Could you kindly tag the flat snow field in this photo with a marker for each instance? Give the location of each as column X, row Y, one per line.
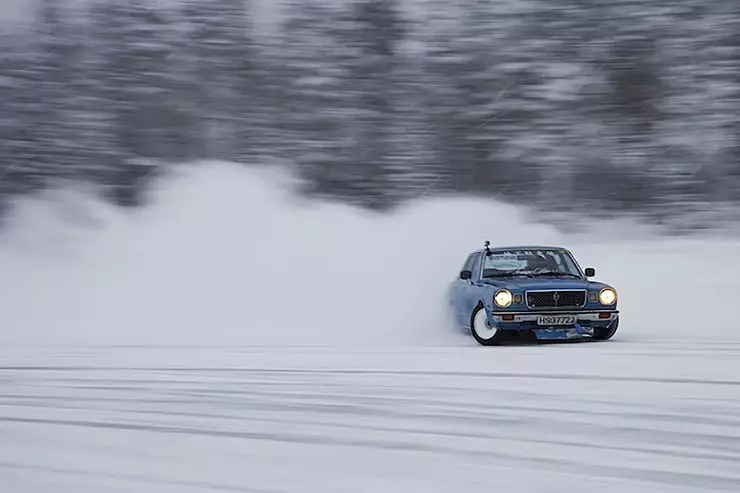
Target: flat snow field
column 231, row 338
column 632, row 415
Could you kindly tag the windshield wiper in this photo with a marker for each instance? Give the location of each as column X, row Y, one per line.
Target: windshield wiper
column 567, row 274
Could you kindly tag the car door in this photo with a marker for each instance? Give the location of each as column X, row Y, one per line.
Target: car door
column 470, row 292
column 458, row 291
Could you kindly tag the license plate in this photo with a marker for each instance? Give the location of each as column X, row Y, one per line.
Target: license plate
column 551, row 320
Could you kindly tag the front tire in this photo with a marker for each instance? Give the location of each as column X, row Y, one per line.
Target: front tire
column 606, row 333
column 483, row 332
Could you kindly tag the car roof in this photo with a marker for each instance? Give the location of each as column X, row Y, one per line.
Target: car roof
column 523, row 247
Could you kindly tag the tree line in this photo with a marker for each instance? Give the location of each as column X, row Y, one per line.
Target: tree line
column 570, row 105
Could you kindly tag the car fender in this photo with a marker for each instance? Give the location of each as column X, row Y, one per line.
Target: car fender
column 484, row 296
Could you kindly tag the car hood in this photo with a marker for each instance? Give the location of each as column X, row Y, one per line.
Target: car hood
column 525, row 283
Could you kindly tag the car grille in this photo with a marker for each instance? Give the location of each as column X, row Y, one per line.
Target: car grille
column 556, row 299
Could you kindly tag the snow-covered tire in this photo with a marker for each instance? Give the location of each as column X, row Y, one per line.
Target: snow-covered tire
column 606, row 333
column 483, row 332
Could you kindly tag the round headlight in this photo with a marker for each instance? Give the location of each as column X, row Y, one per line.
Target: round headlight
column 608, row 296
column 503, row 298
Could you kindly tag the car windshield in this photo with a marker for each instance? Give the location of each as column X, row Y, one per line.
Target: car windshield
column 530, row 263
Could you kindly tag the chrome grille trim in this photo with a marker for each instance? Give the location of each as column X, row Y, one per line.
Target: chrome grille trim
column 556, row 298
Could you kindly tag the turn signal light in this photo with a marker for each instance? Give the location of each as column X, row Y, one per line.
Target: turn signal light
column 604, row 315
column 508, row 318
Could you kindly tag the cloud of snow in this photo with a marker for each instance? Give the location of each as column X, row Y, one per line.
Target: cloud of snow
column 228, row 255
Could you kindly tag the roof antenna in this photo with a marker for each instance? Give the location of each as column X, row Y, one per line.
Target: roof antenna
column 488, row 250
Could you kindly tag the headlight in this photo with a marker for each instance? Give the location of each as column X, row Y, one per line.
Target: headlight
column 608, row 296
column 503, row 298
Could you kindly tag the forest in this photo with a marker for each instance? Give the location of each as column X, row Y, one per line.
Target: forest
column 614, row 108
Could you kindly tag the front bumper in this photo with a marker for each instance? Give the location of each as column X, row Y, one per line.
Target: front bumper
column 586, row 321
column 531, row 316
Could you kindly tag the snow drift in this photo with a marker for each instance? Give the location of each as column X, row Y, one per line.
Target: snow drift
column 229, row 255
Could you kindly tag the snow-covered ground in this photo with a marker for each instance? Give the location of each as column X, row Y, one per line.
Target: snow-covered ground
column 235, row 338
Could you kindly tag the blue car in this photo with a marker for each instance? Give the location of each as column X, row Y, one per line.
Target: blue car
column 530, row 291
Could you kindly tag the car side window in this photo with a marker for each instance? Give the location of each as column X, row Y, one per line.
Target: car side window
column 476, row 264
column 469, row 263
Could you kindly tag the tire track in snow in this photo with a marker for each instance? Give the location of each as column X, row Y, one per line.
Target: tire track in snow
column 650, row 430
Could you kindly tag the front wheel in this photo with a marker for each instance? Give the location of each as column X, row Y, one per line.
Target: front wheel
column 483, row 331
column 606, row 333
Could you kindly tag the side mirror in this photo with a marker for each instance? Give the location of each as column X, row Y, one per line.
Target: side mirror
column 590, row 272
column 465, row 275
